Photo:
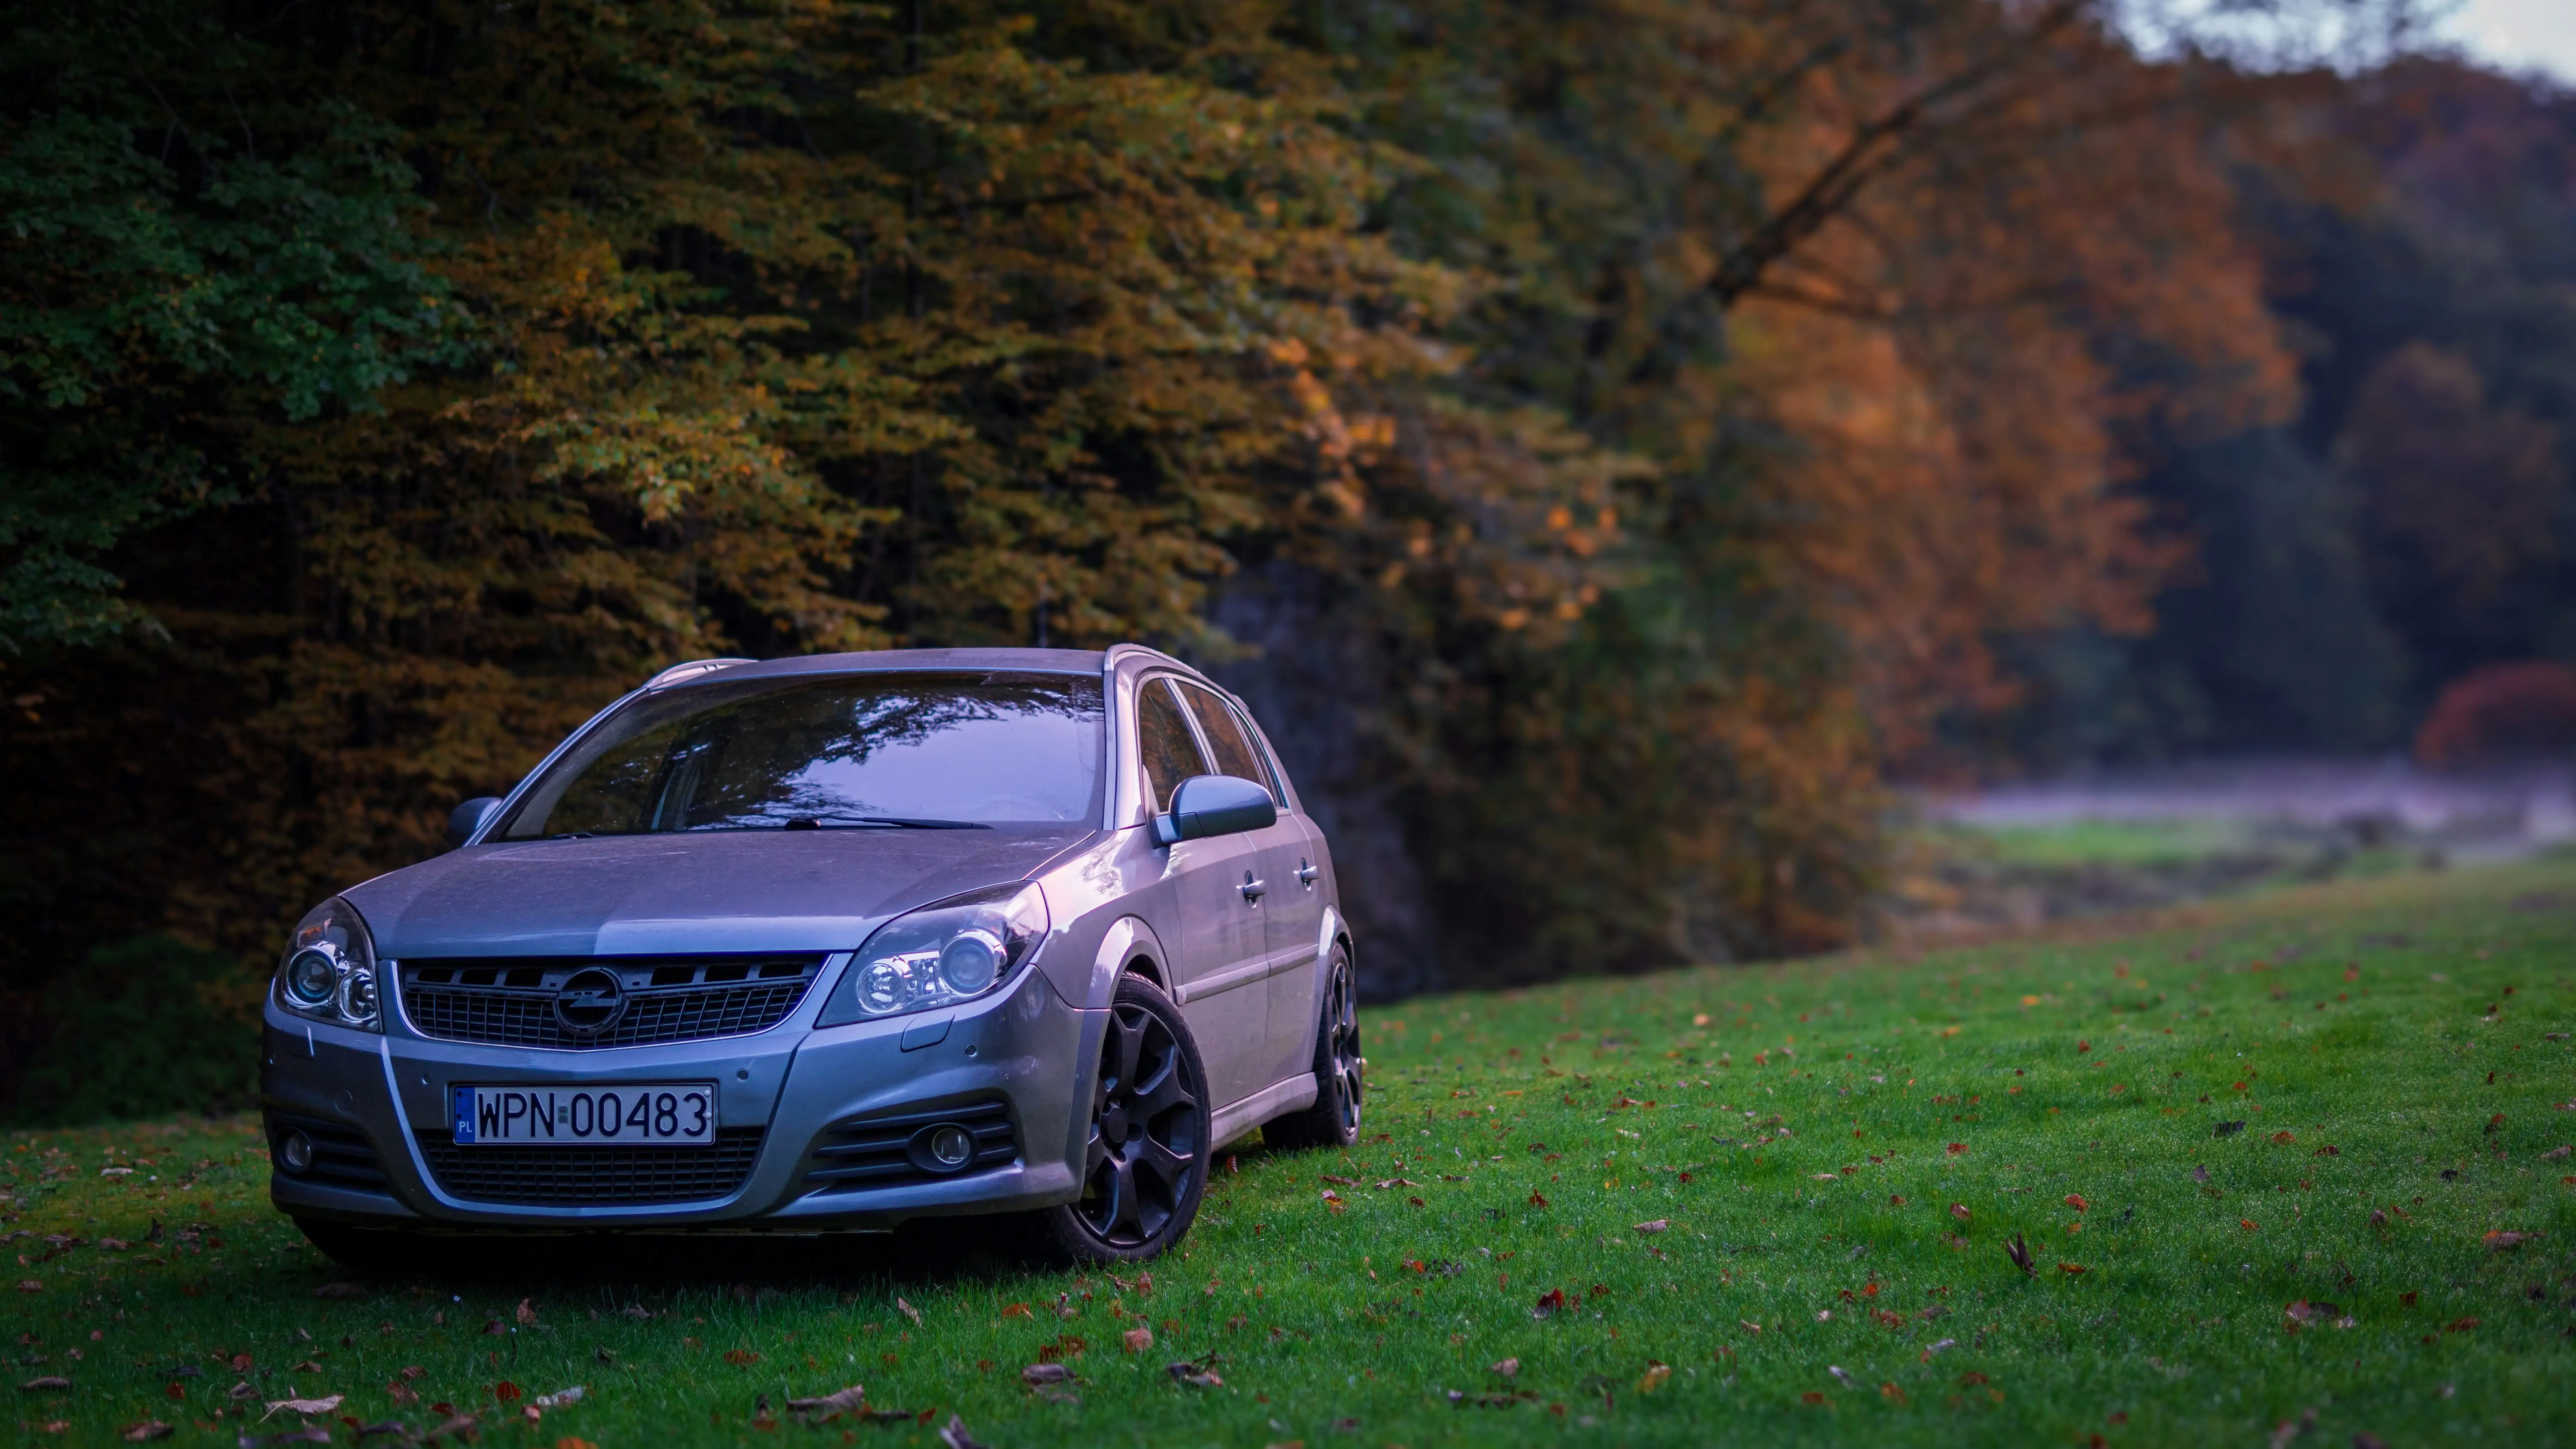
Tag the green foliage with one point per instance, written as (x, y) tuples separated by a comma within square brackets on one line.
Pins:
[(143, 1027), (162, 280)]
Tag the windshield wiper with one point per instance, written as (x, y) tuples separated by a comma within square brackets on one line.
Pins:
[(898, 822)]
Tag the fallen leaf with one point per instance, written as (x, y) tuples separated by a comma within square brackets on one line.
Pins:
[(527, 1312), (1017, 1310), (561, 1398), (146, 1432), (303, 1406), (1137, 1339), (1535, 1201), (1548, 1303), (1891, 1391), (840, 1401), (2249, 1225), (507, 1392), (2227, 1129), (1657, 1226), (45, 1384), (2019, 1252), (1655, 1377), (1959, 1210), (306, 1367), (1045, 1373), (461, 1426), (1508, 1368), (2459, 1325), (2076, 1201), (1958, 1147), (909, 1312), (1195, 1375), (2283, 1139), (741, 1357), (955, 1435), (403, 1394), (1811, 1397), (1339, 1181), (2200, 1174), (2499, 1242), (2072, 1269)]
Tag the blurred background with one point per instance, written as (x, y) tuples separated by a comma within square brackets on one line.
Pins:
[(1680, 480)]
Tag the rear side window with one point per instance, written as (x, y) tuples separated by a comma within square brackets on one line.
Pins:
[(1224, 732), (1163, 741)]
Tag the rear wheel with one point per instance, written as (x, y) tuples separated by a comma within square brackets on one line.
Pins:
[(1145, 1166), (1334, 1120)]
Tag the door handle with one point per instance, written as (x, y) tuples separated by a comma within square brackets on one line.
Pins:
[(1254, 890), (1305, 873)]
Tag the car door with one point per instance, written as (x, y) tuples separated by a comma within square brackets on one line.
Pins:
[(1292, 906), (1220, 955)]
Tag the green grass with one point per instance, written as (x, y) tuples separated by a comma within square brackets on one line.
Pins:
[(2002, 1078), (2102, 842)]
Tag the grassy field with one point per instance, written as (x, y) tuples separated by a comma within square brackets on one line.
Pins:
[(1733, 1205)]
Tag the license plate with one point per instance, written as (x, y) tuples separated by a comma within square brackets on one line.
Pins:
[(661, 1114)]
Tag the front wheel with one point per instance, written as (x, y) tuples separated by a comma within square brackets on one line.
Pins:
[(1334, 1120), (1145, 1166)]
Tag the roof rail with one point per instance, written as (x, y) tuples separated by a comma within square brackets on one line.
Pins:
[(692, 670)]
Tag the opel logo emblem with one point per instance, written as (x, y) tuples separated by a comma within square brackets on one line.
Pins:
[(590, 1001)]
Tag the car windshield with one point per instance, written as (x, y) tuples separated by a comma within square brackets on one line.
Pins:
[(851, 750)]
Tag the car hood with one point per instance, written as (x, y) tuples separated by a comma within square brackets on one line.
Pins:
[(766, 890)]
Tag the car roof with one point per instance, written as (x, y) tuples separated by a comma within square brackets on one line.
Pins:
[(880, 661)]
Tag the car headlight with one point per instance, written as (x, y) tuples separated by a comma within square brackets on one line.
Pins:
[(329, 970), (940, 955)]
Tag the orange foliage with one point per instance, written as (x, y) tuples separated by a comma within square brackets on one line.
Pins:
[(2500, 711), (1959, 355)]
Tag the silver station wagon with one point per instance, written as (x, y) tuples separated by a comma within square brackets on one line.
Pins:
[(823, 944)]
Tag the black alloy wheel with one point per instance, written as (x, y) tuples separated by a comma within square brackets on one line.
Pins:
[(1146, 1164), (1334, 1120)]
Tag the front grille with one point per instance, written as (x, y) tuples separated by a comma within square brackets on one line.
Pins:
[(875, 1152), (342, 1156), (511, 1002), (592, 1176)]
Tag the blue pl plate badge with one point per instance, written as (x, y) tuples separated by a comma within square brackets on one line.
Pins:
[(464, 1115)]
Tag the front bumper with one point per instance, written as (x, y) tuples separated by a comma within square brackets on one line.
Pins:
[(378, 1104)]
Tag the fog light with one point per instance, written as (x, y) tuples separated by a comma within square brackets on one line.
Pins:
[(295, 1152), (950, 1147)]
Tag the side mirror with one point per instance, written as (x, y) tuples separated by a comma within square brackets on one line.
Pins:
[(1206, 805), (467, 818)]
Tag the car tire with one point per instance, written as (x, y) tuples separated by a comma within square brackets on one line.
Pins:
[(1146, 1157), (373, 1251), (1334, 1120)]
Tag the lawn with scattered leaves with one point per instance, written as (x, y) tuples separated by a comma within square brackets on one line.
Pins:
[(2291, 1167)]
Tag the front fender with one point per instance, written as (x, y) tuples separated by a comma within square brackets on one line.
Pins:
[(1126, 940)]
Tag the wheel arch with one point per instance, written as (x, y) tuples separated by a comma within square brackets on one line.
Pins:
[(1128, 947)]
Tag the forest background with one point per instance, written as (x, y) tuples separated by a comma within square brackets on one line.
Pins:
[(1607, 443)]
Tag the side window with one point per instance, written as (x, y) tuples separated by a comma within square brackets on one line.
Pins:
[(1164, 744), (1234, 755)]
